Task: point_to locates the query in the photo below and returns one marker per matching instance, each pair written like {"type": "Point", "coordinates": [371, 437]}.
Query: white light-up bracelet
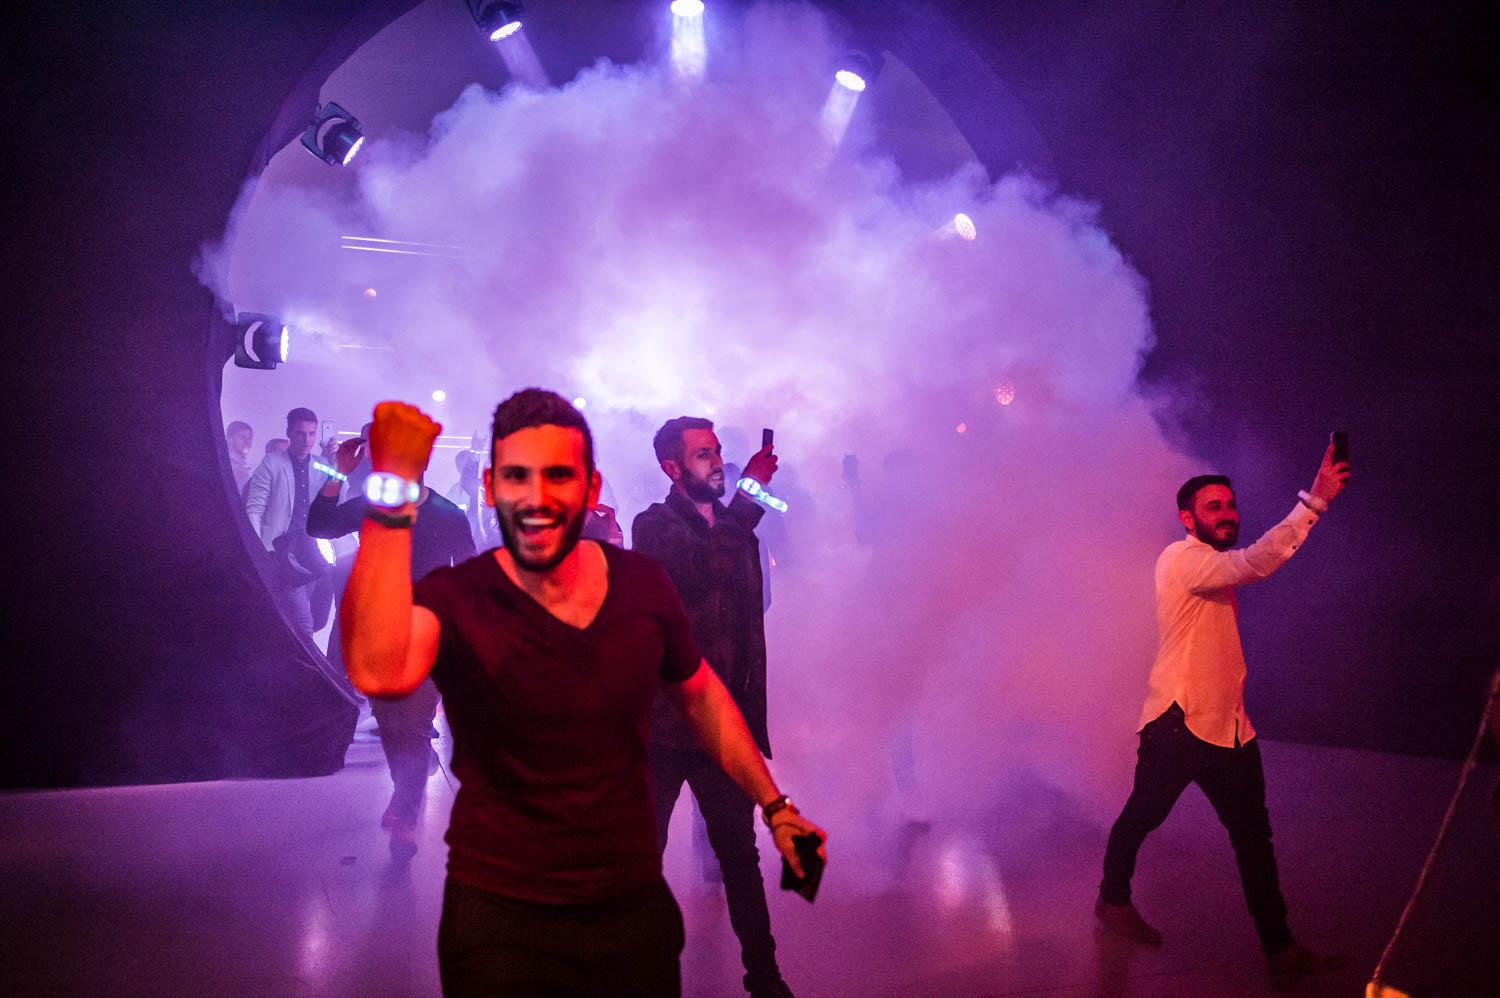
{"type": "Point", "coordinates": [390, 491]}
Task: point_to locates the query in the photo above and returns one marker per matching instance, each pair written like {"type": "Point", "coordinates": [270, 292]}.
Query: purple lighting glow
{"type": "Point", "coordinates": [505, 31]}
{"type": "Point", "coordinates": [797, 280]}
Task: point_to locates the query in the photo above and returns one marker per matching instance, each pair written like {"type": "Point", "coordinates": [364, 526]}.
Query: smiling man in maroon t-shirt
{"type": "Point", "coordinates": [548, 653]}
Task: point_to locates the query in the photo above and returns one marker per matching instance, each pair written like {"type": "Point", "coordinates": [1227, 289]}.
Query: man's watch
{"type": "Point", "coordinates": [782, 803]}
{"type": "Point", "coordinates": [397, 521]}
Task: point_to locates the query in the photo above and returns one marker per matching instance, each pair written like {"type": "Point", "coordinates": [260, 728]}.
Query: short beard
{"type": "Point", "coordinates": [1205, 533]}
{"type": "Point", "coordinates": [571, 535]}
{"type": "Point", "coordinates": [700, 490]}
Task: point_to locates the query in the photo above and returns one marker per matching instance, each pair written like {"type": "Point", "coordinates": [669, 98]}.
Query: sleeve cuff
{"type": "Point", "coordinates": [1312, 502]}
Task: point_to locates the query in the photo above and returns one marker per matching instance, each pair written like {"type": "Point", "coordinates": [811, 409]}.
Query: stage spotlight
{"type": "Point", "coordinates": [687, 8]}
{"type": "Point", "coordinates": [439, 396]}
{"type": "Point", "coordinates": [964, 226]}
{"type": "Point", "coordinates": [334, 135]}
{"type": "Point", "coordinates": [261, 342]}
{"type": "Point", "coordinates": [858, 69]}
{"type": "Point", "coordinates": [580, 402]}
{"type": "Point", "coordinates": [1005, 392]}
{"type": "Point", "coordinates": [498, 19]}
{"type": "Point", "coordinates": [850, 80]}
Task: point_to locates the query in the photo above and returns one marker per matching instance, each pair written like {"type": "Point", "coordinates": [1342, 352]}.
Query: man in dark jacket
{"type": "Point", "coordinates": [440, 537]}
{"type": "Point", "coordinates": [711, 553]}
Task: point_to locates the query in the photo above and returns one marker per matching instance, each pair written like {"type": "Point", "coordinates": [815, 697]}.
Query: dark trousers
{"type": "Point", "coordinates": [406, 736]}
{"type": "Point", "coordinates": [1232, 779]}
{"type": "Point", "coordinates": [492, 945]}
{"type": "Point", "coordinates": [729, 816]}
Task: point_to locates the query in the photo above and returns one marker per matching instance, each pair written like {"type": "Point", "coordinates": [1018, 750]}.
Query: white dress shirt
{"type": "Point", "coordinates": [1199, 661]}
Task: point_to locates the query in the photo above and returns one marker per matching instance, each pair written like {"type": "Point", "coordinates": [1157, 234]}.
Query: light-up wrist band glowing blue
{"type": "Point", "coordinates": [758, 492]}
{"type": "Point", "coordinates": [333, 473]}
{"type": "Point", "coordinates": [390, 491]}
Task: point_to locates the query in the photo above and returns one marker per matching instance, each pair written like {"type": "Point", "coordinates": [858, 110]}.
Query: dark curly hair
{"type": "Point", "coordinates": [668, 440]}
{"type": "Point", "coordinates": [538, 407]}
{"type": "Point", "coordinates": [1196, 484]}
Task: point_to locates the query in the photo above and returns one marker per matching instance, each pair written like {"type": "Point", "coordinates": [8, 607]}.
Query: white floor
{"type": "Point", "coordinates": [286, 888]}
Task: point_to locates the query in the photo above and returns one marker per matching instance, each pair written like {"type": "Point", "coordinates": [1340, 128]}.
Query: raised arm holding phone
{"type": "Point", "coordinates": [548, 653]}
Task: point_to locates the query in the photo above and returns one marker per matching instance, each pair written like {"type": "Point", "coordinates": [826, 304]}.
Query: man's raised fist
{"type": "Point", "coordinates": [401, 440]}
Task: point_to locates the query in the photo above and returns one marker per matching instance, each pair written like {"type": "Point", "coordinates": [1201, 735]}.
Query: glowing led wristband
{"type": "Point", "coordinates": [332, 473]}
{"type": "Point", "coordinates": [758, 492]}
{"type": "Point", "coordinates": [390, 491]}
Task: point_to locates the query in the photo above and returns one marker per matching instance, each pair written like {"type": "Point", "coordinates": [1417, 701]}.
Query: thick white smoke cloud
{"type": "Point", "coordinates": [664, 249]}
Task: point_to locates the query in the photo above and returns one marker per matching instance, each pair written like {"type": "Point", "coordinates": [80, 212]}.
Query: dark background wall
{"type": "Point", "coordinates": [1304, 189]}
{"type": "Point", "coordinates": [1311, 194]}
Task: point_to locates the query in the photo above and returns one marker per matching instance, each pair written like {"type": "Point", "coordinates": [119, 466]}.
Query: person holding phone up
{"type": "Point", "coordinates": [710, 551]}
{"type": "Point", "coordinates": [1194, 728]}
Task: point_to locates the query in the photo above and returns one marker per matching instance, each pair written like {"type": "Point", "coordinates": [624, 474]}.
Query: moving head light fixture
{"type": "Point", "coordinates": [334, 135]}
{"type": "Point", "coordinates": [859, 68]}
{"type": "Point", "coordinates": [261, 342]}
{"type": "Point", "coordinates": [498, 19]}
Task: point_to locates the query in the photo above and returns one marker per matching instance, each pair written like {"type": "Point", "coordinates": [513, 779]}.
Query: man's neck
{"type": "Point", "coordinates": [552, 586]}
{"type": "Point", "coordinates": [705, 509]}
{"type": "Point", "coordinates": [299, 457]}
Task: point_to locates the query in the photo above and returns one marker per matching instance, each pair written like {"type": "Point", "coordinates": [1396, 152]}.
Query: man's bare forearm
{"type": "Point", "coordinates": [375, 627]}
{"type": "Point", "coordinates": [723, 733]}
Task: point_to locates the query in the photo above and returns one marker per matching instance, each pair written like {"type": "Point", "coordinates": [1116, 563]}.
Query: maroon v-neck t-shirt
{"type": "Point", "coordinates": [550, 728]}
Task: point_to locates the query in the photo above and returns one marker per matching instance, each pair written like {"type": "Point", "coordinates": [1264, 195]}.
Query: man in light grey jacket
{"type": "Point", "coordinates": [277, 499]}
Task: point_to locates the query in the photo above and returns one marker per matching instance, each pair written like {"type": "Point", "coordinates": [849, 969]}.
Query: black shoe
{"type": "Point", "coordinates": [1124, 920]}
{"type": "Point", "coordinates": [776, 989]}
{"type": "Point", "coordinates": [403, 841]}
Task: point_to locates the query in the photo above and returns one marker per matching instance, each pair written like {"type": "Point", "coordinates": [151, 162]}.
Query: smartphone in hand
{"type": "Point", "coordinates": [812, 866]}
{"type": "Point", "coordinates": [767, 438]}
{"type": "Point", "coordinates": [1340, 447]}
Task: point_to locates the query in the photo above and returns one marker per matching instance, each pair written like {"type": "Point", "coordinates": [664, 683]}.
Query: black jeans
{"type": "Point", "coordinates": [1232, 779]}
{"type": "Point", "coordinates": [492, 945]}
{"type": "Point", "coordinates": [729, 816]}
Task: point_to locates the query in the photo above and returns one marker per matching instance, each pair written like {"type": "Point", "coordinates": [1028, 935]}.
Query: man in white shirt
{"type": "Point", "coordinates": [1194, 728]}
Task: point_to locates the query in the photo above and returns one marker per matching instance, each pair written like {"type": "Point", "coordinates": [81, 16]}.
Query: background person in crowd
{"type": "Point", "coordinates": [277, 445]}
{"type": "Point", "coordinates": [548, 652]}
{"type": "Point", "coordinates": [713, 558]}
{"type": "Point", "coordinates": [439, 537]}
{"type": "Point", "coordinates": [239, 438]}
{"type": "Point", "coordinates": [1194, 728]}
{"type": "Point", "coordinates": [277, 498]}
{"type": "Point", "coordinates": [601, 524]}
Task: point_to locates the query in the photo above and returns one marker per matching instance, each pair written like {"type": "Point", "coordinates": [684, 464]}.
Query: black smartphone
{"type": "Point", "coordinates": [767, 438]}
{"type": "Point", "coordinates": [1340, 447]}
{"type": "Point", "coordinates": [812, 866]}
